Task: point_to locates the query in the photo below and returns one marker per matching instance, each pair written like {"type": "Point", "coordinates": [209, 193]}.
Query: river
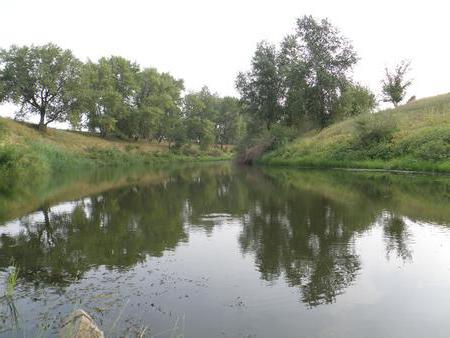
{"type": "Point", "coordinates": [215, 250]}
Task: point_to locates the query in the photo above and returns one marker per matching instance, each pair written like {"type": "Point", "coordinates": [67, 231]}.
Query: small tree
{"type": "Point", "coordinates": [354, 100]}
{"type": "Point", "coordinates": [395, 83]}
{"type": "Point", "coordinates": [43, 80]}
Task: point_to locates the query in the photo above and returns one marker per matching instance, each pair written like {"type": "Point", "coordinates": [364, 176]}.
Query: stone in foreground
{"type": "Point", "coordinates": [79, 325]}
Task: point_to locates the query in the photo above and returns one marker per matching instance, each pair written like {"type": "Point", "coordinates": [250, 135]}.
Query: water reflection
{"type": "Point", "coordinates": [397, 237]}
{"type": "Point", "coordinates": [300, 226]}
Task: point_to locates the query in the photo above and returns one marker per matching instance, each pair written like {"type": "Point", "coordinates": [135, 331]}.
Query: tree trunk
{"type": "Point", "coordinates": [41, 125]}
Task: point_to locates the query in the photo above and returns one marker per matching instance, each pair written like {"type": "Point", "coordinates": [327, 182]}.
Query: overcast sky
{"type": "Point", "coordinates": [209, 42]}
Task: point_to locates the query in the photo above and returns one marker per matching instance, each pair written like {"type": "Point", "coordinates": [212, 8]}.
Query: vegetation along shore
{"type": "Point", "coordinates": [415, 136]}
{"type": "Point", "coordinates": [298, 106]}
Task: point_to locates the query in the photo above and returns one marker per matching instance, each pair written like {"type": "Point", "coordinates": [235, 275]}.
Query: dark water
{"type": "Point", "coordinates": [219, 251]}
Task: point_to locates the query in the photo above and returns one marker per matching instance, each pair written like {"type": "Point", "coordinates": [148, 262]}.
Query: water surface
{"type": "Point", "coordinates": [223, 251]}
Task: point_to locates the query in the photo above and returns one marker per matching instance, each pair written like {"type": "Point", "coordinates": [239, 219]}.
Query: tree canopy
{"type": "Point", "coordinates": [303, 81]}
{"type": "Point", "coordinates": [42, 80]}
{"type": "Point", "coordinates": [114, 97]}
{"type": "Point", "coordinates": [395, 83]}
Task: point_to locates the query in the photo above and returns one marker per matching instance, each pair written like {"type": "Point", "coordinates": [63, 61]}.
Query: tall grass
{"type": "Point", "coordinates": [8, 297]}
{"type": "Point", "coordinates": [11, 281]}
{"type": "Point", "coordinates": [28, 157]}
{"type": "Point", "coordinates": [415, 137]}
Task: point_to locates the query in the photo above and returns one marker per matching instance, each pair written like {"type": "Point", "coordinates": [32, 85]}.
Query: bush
{"type": "Point", "coordinates": [282, 135]}
{"type": "Point", "coordinates": [355, 100]}
{"type": "Point", "coordinates": [434, 150]}
{"type": "Point", "coordinates": [189, 150]}
{"type": "Point", "coordinates": [215, 152]}
{"type": "Point", "coordinates": [430, 144]}
{"type": "Point", "coordinates": [374, 128]}
{"type": "Point", "coordinates": [20, 164]}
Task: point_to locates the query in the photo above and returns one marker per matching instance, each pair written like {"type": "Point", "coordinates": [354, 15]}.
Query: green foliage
{"type": "Point", "coordinates": [157, 104]}
{"type": "Point", "coordinates": [260, 88]}
{"type": "Point", "coordinates": [11, 280]}
{"type": "Point", "coordinates": [42, 80]}
{"type": "Point", "coordinates": [412, 137]}
{"type": "Point", "coordinates": [355, 100]}
{"type": "Point", "coordinates": [209, 118]}
{"type": "Point", "coordinates": [230, 124]}
{"type": "Point", "coordinates": [371, 128]}
{"type": "Point", "coordinates": [190, 150]}
{"type": "Point", "coordinates": [395, 84]}
{"type": "Point", "coordinates": [115, 98]}
{"type": "Point", "coordinates": [327, 57]}
{"type": "Point", "coordinates": [108, 90]}
{"type": "Point", "coordinates": [281, 135]}
{"type": "Point", "coordinates": [431, 144]}
{"type": "Point", "coordinates": [17, 163]}
{"type": "Point", "coordinates": [302, 82]}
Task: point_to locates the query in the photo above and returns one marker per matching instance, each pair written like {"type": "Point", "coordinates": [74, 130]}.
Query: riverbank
{"type": "Point", "coordinates": [413, 137]}
{"type": "Point", "coordinates": [29, 155]}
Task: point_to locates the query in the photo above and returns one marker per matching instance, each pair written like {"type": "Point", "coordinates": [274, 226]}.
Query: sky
{"type": "Point", "coordinates": [209, 42]}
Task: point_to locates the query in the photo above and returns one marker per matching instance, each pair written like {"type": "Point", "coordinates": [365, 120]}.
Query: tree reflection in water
{"type": "Point", "coordinates": [299, 225]}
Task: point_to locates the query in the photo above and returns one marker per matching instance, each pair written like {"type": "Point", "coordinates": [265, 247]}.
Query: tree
{"type": "Point", "coordinates": [328, 57]}
{"type": "Point", "coordinates": [43, 80]}
{"type": "Point", "coordinates": [201, 112]}
{"type": "Point", "coordinates": [260, 88]}
{"type": "Point", "coordinates": [109, 90]}
{"type": "Point", "coordinates": [157, 101]}
{"type": "Point", "coordinates": [355, 100]}
{"type": "Point", "coordinates": [303, 80]}
{"type": "Point", "coordinates": [293, 73]}
{"type": "Point", "coordinates": [395, 83]}
{"type": "Point", "coordinates": [229, 122]}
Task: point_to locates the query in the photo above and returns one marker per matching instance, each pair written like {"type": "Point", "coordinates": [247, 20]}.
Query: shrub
{"type": "Point", "coordinates": [374, 128]}
{"type": "Point", "coordinates": [355, 100]}
{"type": "Point", "coordinates": [434, 150]}
{"type": "Point", "coordinates": [282, 135]}
{"type": "Point", "coordinates": [20, 164]}
{"type": "Point", "coordinates": [189, 150]}
{"type": "Point", "coordinates": [215, 152]}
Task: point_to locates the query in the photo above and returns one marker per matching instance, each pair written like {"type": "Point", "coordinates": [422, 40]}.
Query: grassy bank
{"type": "Point", "coordinates": [415, 136]}
{"type": "Point", "coordinates": [27, 154]}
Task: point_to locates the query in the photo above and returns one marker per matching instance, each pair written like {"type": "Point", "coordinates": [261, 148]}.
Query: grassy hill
{"type": "Point", "coordinates": [415, 136]}
{"type": "Point", "coordinates": [28, 153]}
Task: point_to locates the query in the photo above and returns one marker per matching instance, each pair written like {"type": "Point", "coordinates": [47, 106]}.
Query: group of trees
{"type": "Point", "coordinates": [306, 80]}
{"type": "Point", "coordinates": [307, 83]}
{"type": "Point", "coordinates": [114, 97]}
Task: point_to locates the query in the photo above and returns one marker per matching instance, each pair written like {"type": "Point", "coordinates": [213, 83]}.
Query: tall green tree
{"type": "Point", "coordinates": [158, 101]}
{"type": "Point", "coordinates": [395, 84]}
{"type": "Point", "coordinates": [293, 72]}
{"type": "Point", "coordinates": [303, 80]}
{"type": "Point", "coordinates": [328, 58]}
{"type": "Point", "coordinates": [200, 112]}
{"type": "Point", "coordinates": [42, 80]}
{"type": "Point", "coordinates": [260, 88]}
{"type": "Point", "coordinates": [230, 125]}
{"type": "Point", "coordinates": [109, 90]}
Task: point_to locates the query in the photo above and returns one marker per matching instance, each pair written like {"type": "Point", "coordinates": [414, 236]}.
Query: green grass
{"type": "Point", "coordinates": [415, 136]}
{"type": "Point", "coordinates": [28, 156]}
{"type": "Point", "coordinates": [11, 281]}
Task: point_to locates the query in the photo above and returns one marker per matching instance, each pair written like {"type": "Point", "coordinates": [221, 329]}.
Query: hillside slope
{"type": "Point", "coordinates": [26, 153]}
{"type": "Point", "coordinates": [17, 133]}
{"type": "Point", "coordinates": [415, 136]}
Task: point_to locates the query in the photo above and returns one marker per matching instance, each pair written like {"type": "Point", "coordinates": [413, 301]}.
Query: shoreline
{"type": "Point", "coordinates": [434, 170]}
